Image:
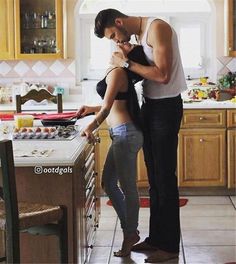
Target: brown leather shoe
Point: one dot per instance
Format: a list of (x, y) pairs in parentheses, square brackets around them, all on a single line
[(143, 246), (161, 256)]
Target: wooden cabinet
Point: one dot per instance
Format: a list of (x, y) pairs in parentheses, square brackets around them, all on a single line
[(104, 146), (231, 9), (36, 32), (6, 30), (202, 149), (201, 157), (90, 202), (231, 148), (74, 188), (142, 178), (206, 151)]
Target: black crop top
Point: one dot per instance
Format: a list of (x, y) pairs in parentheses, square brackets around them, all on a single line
[(136, 55), (102, 87)]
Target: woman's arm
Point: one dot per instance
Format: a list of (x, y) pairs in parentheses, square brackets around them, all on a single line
[(115, 80), (85, 109)]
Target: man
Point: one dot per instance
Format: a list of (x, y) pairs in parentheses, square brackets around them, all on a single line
[(162, 112)]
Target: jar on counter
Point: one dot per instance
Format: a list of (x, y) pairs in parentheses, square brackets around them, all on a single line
[(5, 95)]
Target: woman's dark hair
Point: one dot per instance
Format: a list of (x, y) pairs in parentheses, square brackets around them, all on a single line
[(104, 19), (137, 55)]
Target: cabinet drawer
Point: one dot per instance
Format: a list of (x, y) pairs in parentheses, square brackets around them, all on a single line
[(90, 191), (90, 222), (203, 118), (89, 171), (89, 149), (231, 118)]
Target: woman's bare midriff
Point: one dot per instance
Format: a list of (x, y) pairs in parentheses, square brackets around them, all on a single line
[(118, 114)]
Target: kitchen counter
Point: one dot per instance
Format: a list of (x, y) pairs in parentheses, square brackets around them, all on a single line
[(72, 106), (59, 179), (210, 104), (65, 152)]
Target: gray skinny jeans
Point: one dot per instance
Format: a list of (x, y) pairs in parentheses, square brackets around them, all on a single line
[(121, 166)]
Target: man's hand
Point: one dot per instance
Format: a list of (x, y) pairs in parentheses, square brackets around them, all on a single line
[(118, 59)]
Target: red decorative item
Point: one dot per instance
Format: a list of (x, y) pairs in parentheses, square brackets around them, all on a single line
[(40, 116), (144, 202)]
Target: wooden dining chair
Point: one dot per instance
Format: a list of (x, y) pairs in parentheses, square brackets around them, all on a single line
[(36, 219), (38, 96)]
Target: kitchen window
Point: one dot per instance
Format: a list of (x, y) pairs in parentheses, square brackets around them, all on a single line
[(189, 18)]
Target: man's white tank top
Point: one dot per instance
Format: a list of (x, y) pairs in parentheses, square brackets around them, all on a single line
[(177, 83)]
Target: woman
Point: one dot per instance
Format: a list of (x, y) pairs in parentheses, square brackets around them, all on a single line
[(121, 110)]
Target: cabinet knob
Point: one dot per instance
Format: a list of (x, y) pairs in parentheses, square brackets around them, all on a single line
[(95, 174), (96, 226), (201, 118), (91, 246), (230, 48), (89, 216), (201, 140), (97, 140)]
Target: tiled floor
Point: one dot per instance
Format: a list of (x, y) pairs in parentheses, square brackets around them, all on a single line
[(208, 226)]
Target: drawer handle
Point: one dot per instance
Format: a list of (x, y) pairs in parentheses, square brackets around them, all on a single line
[(97, 140), (201, 140), (201, 118), (90, 216)]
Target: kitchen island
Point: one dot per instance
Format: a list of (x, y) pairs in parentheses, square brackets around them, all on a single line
[(64, 175)]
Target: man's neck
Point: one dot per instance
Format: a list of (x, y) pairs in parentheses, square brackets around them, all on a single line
[(134, 25)]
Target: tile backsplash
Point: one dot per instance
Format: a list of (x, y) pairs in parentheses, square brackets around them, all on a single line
[(37, 70), (50, 72), (225, 64), (64, 70)]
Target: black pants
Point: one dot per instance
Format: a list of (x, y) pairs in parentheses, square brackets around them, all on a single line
[(161, 123)]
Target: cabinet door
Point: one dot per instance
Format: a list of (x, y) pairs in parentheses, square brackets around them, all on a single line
[(201, 158), (142, 171), (6, 30), (38, 28), (231, 158), (232, 27)]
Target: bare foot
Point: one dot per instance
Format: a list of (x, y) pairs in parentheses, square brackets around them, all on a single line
[(161, 256), (143, 246), (128, 242)]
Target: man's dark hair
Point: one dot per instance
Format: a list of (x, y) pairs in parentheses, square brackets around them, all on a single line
[(106, 18)]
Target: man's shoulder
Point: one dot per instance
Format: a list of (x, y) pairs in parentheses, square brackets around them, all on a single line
[(158, 23)]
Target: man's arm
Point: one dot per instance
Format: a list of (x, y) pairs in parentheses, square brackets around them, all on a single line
[(160, 39)]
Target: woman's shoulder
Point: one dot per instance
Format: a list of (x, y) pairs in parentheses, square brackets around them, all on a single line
[(115, 73), (114, 70)]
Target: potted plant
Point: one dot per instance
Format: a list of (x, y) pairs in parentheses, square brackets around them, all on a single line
[(227, 85)]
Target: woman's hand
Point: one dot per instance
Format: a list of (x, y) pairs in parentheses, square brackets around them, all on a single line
[(88, 133), (84, 110)]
